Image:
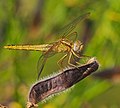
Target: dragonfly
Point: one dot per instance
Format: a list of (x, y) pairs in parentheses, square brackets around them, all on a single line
[(63, 45)]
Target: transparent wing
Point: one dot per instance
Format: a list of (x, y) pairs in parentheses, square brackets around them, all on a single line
[(40, 65), (43, 58), (71, 26)]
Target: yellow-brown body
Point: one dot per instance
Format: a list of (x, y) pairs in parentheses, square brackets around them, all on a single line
[(62, 45)]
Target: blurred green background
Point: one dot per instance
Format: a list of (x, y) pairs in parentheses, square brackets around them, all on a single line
[(36, 22)]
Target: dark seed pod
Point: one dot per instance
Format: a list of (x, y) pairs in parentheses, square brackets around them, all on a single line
[(60, 82)]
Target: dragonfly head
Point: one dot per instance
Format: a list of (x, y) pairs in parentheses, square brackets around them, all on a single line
[(77, 46)]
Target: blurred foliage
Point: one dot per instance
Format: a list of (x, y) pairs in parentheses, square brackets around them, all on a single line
[(36, 22)]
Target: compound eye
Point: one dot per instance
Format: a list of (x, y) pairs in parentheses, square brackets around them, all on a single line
[(76, 47)]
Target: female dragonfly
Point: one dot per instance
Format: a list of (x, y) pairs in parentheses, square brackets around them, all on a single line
[(70, 48)]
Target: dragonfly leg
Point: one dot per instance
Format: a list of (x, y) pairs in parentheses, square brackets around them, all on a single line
[(69, 61), (77, 62), (86, 56), (79, 56), (61, 60), (75, 54)]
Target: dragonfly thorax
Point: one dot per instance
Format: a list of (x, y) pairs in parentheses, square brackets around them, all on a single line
[(77, 46)]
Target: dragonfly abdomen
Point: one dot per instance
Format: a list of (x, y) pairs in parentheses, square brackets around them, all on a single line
[(42, 48)]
